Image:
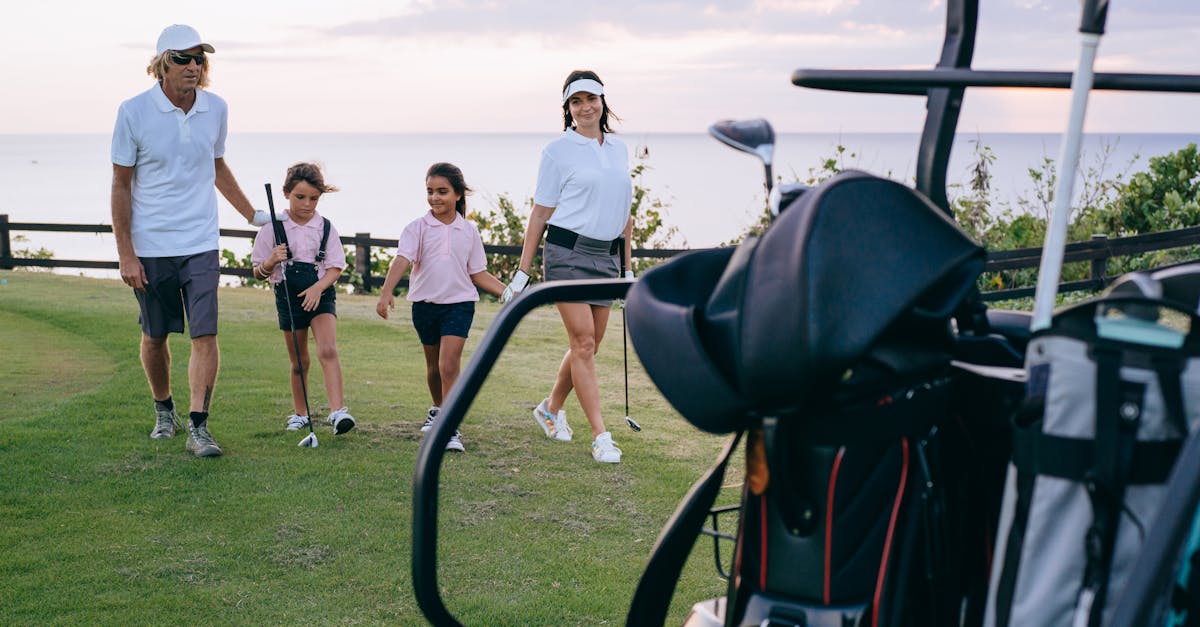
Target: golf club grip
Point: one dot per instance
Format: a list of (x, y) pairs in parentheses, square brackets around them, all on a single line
[(276, 225)]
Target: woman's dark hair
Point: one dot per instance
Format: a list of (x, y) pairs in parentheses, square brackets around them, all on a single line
[(451, 173), (309, 173), (571, 78)]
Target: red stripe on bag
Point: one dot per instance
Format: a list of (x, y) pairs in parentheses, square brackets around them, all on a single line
[(887, 542), (837, 462)]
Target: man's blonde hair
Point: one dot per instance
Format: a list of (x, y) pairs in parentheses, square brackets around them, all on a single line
[(158, 68)]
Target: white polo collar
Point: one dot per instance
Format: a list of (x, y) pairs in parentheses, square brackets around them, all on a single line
[(166, 106), (575, 137)]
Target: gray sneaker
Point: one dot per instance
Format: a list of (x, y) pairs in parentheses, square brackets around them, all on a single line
[(200, 442), (166, 424)]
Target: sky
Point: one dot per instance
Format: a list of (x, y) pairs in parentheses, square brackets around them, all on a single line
[(498, 65)]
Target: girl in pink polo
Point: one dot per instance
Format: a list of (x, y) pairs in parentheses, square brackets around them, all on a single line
[(447, 259)]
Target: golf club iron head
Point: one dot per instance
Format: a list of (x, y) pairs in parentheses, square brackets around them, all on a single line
[(632, 424), (309, 441)]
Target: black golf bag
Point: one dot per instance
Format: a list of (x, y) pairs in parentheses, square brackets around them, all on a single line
[(828, 342)]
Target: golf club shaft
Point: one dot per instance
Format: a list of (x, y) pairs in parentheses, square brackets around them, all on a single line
[(1068, 162), (287, 297), (633, 424)]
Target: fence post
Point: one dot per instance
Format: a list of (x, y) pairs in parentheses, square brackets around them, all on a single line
[(362, 259), (1100, 266), (6, 260)]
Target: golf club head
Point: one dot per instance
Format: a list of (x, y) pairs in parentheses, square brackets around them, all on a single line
[(309, 441), (756, 136), (632, 424)]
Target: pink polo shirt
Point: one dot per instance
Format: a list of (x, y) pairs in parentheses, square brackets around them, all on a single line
[(444, 256), (304, 240)]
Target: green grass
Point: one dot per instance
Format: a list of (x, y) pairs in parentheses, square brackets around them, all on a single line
[(101, 525)]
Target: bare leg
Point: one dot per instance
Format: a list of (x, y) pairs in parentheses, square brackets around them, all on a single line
[(585, 326), (202, 371), (300, 367), (433, 376), (156, 361), (450, 360), (324, 328)]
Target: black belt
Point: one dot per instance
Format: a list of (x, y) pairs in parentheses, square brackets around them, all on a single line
[(566, 238)]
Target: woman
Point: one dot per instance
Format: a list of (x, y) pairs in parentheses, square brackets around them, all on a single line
[(582, 203)]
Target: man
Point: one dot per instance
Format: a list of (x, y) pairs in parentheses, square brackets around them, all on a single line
[(167, 152)]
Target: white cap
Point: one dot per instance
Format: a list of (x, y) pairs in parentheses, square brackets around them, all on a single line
[(583, 84), (180, 37)]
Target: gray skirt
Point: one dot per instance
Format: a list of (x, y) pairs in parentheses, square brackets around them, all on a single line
[(582, 262)]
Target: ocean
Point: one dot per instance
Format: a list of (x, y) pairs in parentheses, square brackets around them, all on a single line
[(711, 192)]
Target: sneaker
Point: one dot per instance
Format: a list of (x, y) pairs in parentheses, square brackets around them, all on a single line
[(430, 418), (341, 420), (562, 430), (166, 424), (603, 449), (554, 425), (200, 442), (296, 422), (455, 443)]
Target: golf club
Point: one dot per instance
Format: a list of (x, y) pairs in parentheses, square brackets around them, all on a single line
[(310, 440), (1053, 249), (633, 424), (756, 137)]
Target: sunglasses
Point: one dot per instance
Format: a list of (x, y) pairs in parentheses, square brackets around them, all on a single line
[(183, 58)]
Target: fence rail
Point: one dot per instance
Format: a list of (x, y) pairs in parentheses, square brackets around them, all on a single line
[(1098, 251)]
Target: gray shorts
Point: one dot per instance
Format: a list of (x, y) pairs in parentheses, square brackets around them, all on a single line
[(582, 262), (180, 287)]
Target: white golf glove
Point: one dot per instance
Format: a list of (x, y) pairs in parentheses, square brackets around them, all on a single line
[(628, 277), (518, 284), (262, 217)]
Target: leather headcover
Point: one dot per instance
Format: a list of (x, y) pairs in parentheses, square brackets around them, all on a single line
[(771, 326)]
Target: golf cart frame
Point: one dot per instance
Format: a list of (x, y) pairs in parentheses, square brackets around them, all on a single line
[(943, 87)]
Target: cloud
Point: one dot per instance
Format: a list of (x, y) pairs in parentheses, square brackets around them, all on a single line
[(561, 20)]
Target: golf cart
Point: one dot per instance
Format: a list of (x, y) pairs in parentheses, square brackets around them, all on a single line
[(874, 395)]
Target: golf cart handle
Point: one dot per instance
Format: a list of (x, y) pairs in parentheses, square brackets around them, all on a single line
[(433, 448), (917, 82)]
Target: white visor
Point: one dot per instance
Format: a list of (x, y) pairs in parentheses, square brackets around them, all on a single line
[(583, 84)]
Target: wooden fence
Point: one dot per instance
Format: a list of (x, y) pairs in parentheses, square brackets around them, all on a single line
[(1098, 251)]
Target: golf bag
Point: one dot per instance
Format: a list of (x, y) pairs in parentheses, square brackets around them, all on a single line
[(1113, 391), (837, 366)]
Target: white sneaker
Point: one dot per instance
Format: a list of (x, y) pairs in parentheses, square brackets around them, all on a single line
[(603, 449), (296, 422), (455, 443), (553, 425), (562, 429), (341, 420), (430, 417)]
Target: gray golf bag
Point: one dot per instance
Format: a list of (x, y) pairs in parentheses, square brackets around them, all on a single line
[(1113, 391)]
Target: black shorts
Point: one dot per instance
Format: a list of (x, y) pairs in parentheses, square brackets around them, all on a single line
[(179, 288), (302, 319), (433, 320)]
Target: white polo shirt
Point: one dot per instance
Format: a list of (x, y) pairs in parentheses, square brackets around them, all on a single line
[(172, 153), (587, 184)]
